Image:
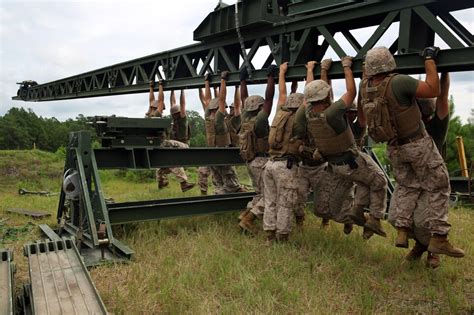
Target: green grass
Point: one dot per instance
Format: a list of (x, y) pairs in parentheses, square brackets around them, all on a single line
[(204, 265)]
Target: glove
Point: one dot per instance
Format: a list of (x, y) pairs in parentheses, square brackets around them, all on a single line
[(326, 64), (152, 83), (272, 70), (311, 64), (243, 74), (346, 61), (207, 77), (430, 53), (225, 75)]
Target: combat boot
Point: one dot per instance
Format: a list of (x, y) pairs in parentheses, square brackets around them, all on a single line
[(433, 261), (416, 252), (271, 236), (246, 223), (299, 220), (357, 215), (282, 238), (203, 192), (243, 214), (162, 184), (439, 244), (347, 228), (367, 233), (375, 226), (324, 223), (402, 237), (185, 186)]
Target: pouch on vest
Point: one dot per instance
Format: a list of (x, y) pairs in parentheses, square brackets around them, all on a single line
[(277, 130), (380, 124), (247, 144)]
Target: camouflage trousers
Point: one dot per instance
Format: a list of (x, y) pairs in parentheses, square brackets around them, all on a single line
[(309, 178), (203, 176), (255, 169), (420, 173), (224, 179), (371, 183), (162, 173), (334, 197), (280, 196)]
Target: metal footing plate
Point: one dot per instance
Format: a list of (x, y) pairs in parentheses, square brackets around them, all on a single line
[(6, 282)]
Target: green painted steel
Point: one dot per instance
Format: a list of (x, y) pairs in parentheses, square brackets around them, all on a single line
[(291, 38)]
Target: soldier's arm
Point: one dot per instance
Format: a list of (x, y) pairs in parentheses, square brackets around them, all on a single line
[(310, 71), (294, 86), (216, 92), (172, 98), (201, 98), (282, 83), (223, 91), (182, 104), (325, 66), (207, 92), (151, 98), (270, 90), (350, 94), (161, 98), (237, 102), (442, 103), (430, 87), (360, 112), (244, 93)]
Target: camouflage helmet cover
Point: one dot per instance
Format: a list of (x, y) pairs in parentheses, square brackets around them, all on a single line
[(294, 100), (175, 109), (316, 90), (379, 60), (427, 106), (253, 103), (213, 104)]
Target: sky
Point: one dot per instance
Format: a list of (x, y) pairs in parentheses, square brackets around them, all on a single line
[(46, 40)]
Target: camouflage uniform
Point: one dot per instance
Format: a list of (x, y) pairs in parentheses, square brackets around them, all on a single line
[(203, 175), (162, 173), (224, 179), (255, 169), (419, 168)]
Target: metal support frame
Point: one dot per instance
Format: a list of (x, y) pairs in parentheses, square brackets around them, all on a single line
[(291, 38)]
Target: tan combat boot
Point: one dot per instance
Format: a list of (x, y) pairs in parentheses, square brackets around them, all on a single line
[(246, 223), (402, 237), (367, 233), (299, 220), (347, 228), (375, 226), (439, 244), (357, 215), (324, 223), (433, 260), (416, 252), (271, 236), (185, 186), (282, 238), (243, 214)]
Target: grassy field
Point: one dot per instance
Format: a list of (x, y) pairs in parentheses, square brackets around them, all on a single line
[(204, 265)]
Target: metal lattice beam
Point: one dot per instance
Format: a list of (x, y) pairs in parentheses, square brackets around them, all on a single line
[(289, 38)]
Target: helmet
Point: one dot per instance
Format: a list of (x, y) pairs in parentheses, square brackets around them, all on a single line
[(253, 103), (316, 90), (427, 106), (294, 100), (175, 109), (379, 60), (71, 184), (214, 103)]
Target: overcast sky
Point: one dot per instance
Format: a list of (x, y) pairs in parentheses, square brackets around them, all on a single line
[(47, 40)]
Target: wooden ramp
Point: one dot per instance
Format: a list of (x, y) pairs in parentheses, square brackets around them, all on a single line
[(59, 280), (6, 282)]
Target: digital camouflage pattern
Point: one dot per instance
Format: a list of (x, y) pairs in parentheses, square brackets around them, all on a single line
[(280, 195), (203, 178), (162, 173), (224, 179), (294, 100), (316, 90), (253, 103), (419, 169), (255, 169), (371, 183), (379, 60), (309, 177)]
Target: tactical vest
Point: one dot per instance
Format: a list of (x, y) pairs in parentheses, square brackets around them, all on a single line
[(234, 135), (250, 145), (281, 140), (214, 140), (405, 121), (325, 138), (176, 135)]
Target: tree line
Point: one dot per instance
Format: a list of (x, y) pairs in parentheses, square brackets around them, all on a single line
[(22, 129)]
